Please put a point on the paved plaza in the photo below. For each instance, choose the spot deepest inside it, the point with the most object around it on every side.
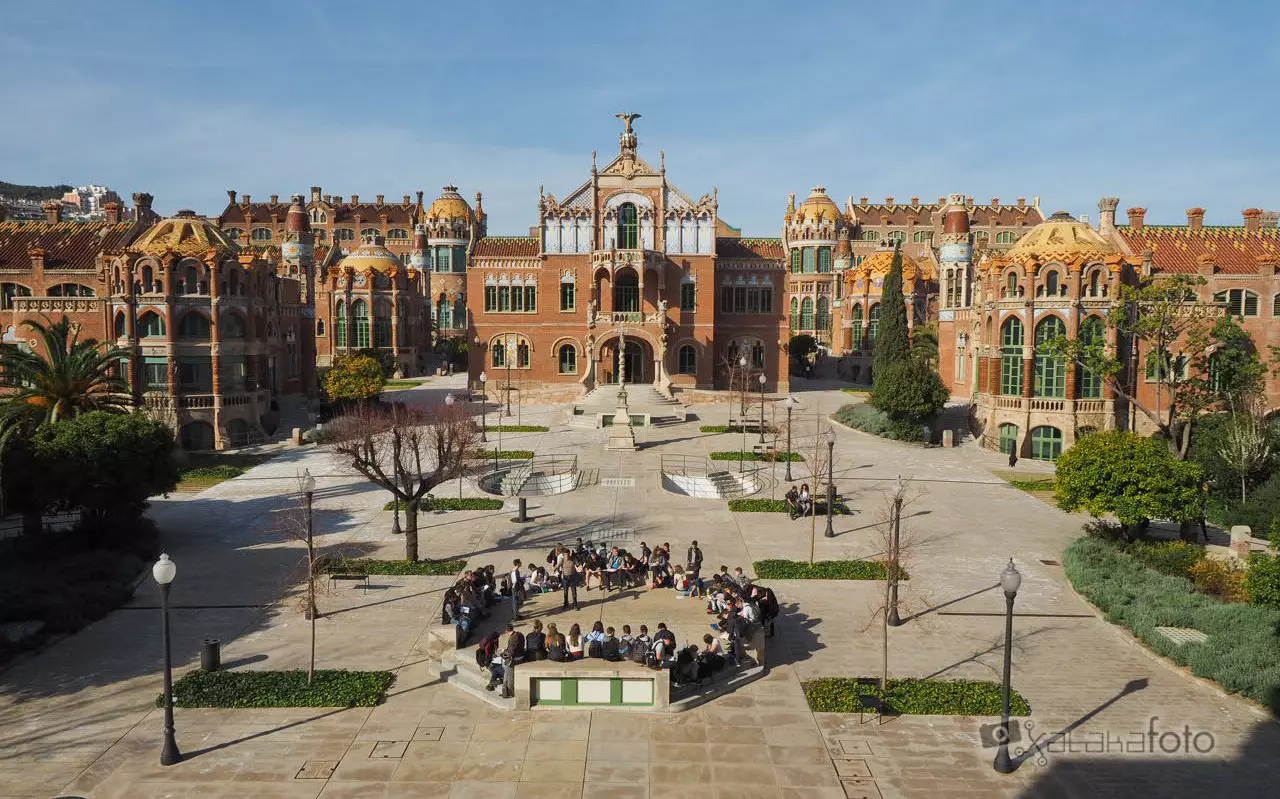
(78, 718)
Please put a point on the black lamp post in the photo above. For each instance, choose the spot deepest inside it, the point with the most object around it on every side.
(484, 411)
(831, 487)
(742, 416)
(761, 380)
(164, 571)
(1010, 580)
(894, 620)
(791, 403)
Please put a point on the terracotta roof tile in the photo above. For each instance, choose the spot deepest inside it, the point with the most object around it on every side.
(923, 214)
(1177, 249)
(261, 213)
(508, 247)
(67, 245)
(249, 213)
(750, 248)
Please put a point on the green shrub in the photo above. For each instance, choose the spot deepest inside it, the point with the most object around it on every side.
(1043, 484)
(912, 696)
(505, 454)
(779, 569)
(448, 503)
(403, 568)
(1175, 558)
(1221, 579)
(519, 428)
(780, 506)
(857, 389)
(1274, 534)
(728, 428)
(909, 390)
(222, 472)
(1242, 653)
(1262, 581)
(780, 457)
(331, 688)
(1261, 513)
(870, 420)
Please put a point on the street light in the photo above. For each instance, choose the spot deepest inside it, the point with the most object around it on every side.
(1010, 581)
(449, 401)
(830, 438)
(761, 380)
(742, 417)
(484, 412)
(164, 571)
(791, 404)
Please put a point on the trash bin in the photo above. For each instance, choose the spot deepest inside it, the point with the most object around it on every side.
(210, 655)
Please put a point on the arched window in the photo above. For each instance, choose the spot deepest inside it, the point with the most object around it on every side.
(381, 323)
(806, 313)
(360, 312)
(397, 234)
(460, 313)
(1092, 335)
(369, 232)
(261, 234)
(823, 321)
(1011, 357)
(319, 328)
(688, 360)
(499, 354)
(190, 280)
(896, 235)
(194, 325)
(922, 237)
(795, 314)
(1097, 288)
(150, 325)
(1050, 288)
(504, 298)
(10, 290)
(522, 355)
(808, 260)
(344, 234)
(757, 355)
(1050, 370)
(855, 322)
(340, 335)
(234, 233)
(70, 290)
(873, 324)
(568, 359)
(1046, 443)
(1006, 237)
(1011, 284)
(1008, 438)
(121, 327)
(870, 235)
(1239, 302)
(444, 312)
(628, 227)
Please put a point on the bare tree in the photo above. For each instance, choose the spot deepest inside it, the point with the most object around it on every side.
(818, 466)
(406, 451)
(1246, 446)
(897, 547)
(296, 522)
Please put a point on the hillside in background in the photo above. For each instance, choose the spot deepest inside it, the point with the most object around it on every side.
(32, 192)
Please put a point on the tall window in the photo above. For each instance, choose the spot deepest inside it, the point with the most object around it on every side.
(808, 260)
(873, 324)
(120, 325)
(1089, 383)
(688, 360)
(1275, 306)
(10, 290)
(806, 313)
(504, 298)
(855, 320)
(382, 323)
(1006, 237)
(568, 296)
(194, 325)
(490, 298)
(444, 312)
(795, 314)
(824, 315)
(1046, 443)
(1097, 288)
(1011, 357)
(628, 227)
(1050, 370)
(522, 355)
(150, 325)
(517, 298)
(1008, 438)
(568, 359)
(824, 259)
(1239, 302)
(360, 311)
(688, 296)
(530, 299)
(757, 355)
(1051, 283)
(499, 354)
(795, 259)
(460, 313)
(340, 326)
(1011, 284)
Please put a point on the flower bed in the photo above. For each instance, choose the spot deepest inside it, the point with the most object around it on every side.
(518, 428)
(733, 428)
(449, 503)
(780, 506)
(421, 568)
(331, 688)
(779, 569)
(504, 454)
(911, 696)
(780, 457)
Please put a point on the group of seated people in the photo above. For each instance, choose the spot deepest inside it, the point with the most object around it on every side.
(613, 568)
(467, 601)
(741, 607)
(688, 665)
(799, 501)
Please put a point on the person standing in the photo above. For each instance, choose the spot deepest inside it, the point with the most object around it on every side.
(515, 654)
(568, 571)
(518, 588)
(694, 562)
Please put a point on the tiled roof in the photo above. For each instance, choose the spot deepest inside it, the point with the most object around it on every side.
(248, 213)
(1006, 215)
(507, 247)
(750, 248)
(67, 245)
(1178, 249)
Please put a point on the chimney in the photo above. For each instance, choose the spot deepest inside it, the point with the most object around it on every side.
(915, 200)
(968, 201)
(381, 197)
(888, 201)
(479, 205)
(995, 200)
(52, 211)
(942, 201)
(1268, 221)
(355, 199)
(419, 195)
(1252, 219)
(864, 200)
(406, 199)
(275, 199)
(1107, 213)
(315, 194)
(36, 254)
(328, 198)
(231, 196)
(337, 199)
(1022, 202)
(110, 210)
(142, 207)
(1137, 216)
(1195, 218)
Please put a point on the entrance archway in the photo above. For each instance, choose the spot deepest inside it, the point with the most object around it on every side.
(626, 291)
(639, 361)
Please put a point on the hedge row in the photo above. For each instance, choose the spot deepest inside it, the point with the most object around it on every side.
(858, 389)
(519, 428)
(728, 428)
(912, 696)
(331, 688)
(779, 569)
(449, 503)
(1044, 484)
(504, 454)
(1242, 653)
(421, 568)
(780, 506)
(780, 457)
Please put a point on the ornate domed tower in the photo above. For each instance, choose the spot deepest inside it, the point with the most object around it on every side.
(452, 228)
(811, 237)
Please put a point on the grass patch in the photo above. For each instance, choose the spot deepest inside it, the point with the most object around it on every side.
(449, 503)
(726, 428)
(519, 428)
(780, 506)
(780, 457)
(878, 423)
(401, 384)
(912, 697)
(400, 568)
(857, 389)
(779, 569)
(331, 688)
(208, 469)
(1045, 484)
(504, 454)
(1242, 653)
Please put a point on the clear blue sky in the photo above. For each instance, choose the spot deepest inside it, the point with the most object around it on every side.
(1165, 104)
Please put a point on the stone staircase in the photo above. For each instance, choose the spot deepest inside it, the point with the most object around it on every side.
(458, 668)
(640, 396)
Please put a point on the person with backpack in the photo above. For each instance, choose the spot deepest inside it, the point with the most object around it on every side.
(595, 640)
(640, 646)
(568, 571)
(556, 649)
(609, 649)
(535, 643)
(626, 642)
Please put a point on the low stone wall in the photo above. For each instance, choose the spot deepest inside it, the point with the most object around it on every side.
(592, 683)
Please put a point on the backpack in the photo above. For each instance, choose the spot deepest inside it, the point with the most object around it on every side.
(639, 651)
(609, 650)
(484, 653)
(595, 650)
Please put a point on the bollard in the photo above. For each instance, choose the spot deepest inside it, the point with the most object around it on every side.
(524, 510)
(210, 657)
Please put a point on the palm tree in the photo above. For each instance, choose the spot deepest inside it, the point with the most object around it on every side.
(67, 377)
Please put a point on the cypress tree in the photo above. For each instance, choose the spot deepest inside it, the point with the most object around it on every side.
(893, 342)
